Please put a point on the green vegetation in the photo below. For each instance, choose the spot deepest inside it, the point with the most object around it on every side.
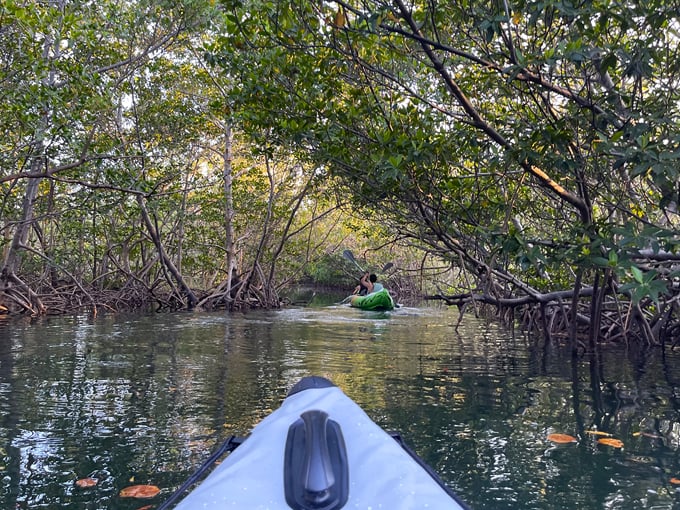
(520, 155)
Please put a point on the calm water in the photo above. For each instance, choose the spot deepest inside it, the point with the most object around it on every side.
(145, 399)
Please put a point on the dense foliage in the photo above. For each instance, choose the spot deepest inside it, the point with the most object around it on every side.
(531, 145)
(123, 183)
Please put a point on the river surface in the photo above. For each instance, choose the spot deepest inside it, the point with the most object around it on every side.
(145, 399)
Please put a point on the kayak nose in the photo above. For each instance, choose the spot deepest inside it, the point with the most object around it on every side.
(310, 382)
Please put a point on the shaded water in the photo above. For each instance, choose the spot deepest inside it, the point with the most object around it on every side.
(145, 399)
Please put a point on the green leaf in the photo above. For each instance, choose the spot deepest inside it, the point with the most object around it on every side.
(637, 274)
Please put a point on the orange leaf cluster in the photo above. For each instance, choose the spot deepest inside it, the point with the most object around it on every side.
(610, 441)
(86, 482)
(561, 438)
(139, 491)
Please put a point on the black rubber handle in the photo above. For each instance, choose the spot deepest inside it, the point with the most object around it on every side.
(315, 470)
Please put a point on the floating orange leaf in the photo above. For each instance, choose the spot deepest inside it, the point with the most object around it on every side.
(86, 482)
(139, 491)
(647, 434)
(610, 441)
(675, 481)
(598, 433)
(561, 438)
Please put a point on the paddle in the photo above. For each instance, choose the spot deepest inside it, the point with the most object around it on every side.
(350, 256)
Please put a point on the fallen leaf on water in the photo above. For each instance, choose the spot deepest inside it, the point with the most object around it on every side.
(647, 434)
(598, 433)
(561, 438)
(139, 491)
(86, 482)
(610, 441)
(640, 459)
(675, 481)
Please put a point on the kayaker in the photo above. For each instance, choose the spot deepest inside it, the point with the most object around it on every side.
(361, 289)
(371, 283)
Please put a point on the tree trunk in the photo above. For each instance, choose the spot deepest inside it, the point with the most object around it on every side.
(13, 287)
(229, 244)
(164, 259)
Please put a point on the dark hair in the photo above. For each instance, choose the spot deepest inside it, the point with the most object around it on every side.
(373, 278)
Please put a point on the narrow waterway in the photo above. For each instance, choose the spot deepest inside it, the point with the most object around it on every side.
(145, 399)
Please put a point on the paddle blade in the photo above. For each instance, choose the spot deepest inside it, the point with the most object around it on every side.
(350, 256)
(387, 267)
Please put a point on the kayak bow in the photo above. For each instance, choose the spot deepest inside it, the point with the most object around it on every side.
(321, 451)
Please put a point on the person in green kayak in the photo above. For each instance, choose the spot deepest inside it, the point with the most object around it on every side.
(371, 283)
(361, 289)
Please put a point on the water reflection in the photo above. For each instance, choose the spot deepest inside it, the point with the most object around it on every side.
(144, 399)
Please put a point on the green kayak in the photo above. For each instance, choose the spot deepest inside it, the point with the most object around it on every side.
(380, 300)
